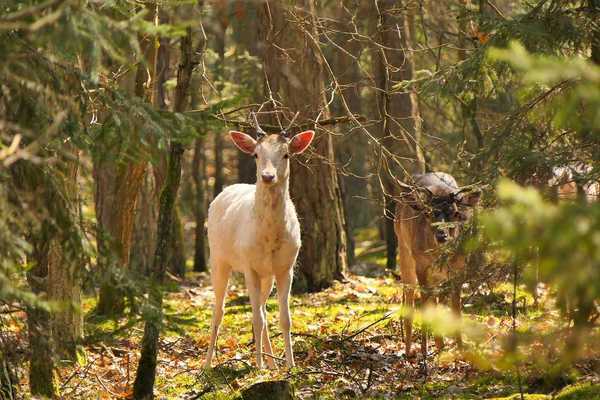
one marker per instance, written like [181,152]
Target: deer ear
[244,142]
[470,198]
[301,141]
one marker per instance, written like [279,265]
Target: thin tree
[199,174]
[146,372]
[222,8]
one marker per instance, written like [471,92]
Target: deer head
[272,152]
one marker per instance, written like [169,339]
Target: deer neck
[270,206]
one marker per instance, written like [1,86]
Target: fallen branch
[365,328]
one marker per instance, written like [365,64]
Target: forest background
[113,121]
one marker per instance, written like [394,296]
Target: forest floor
[347,342]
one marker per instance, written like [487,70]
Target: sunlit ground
[347,343]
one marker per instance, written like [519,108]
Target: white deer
[254,229]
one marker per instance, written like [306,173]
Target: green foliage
[563,239]
[517,112]
[578,107]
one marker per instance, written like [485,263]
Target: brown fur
[417,244]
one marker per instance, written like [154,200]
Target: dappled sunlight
[347,339]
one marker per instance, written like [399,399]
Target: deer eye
[286,156]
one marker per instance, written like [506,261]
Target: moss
[517,396]
[81,354]
[176,386]
[579,392]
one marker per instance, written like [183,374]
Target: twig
[33,10]
[104,386]
[361,330]
[277,129]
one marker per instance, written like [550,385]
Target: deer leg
[425,299]
[439,339]
[456,304]
[284,284]
[409,280]
[220,278]
[266,286]
[409,308]
[258,318]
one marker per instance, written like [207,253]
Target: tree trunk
[177,251]
[198,169]
[295,78]
[64,288]
[399,111]
[146,372]
[245,33]
[42,376]
[144,233]
[349,147]
[64,281]
[146,213]
[56,255]
[119,183]
[116,184]
[64,278]
[198,163]
[222,17]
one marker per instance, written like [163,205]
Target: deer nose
[267,177]
[441,236]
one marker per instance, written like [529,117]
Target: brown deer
[428,215]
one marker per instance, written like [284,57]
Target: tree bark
[42,369]
[64,278]
[199,175]
[350,147]
[177,251]
[146,372]
[295,77]
[245,33]
[144,232]
[118,183]
[401,124]
[198,169]
[146,213]
[223,22]
[55,257]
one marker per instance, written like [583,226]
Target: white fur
[254,229]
